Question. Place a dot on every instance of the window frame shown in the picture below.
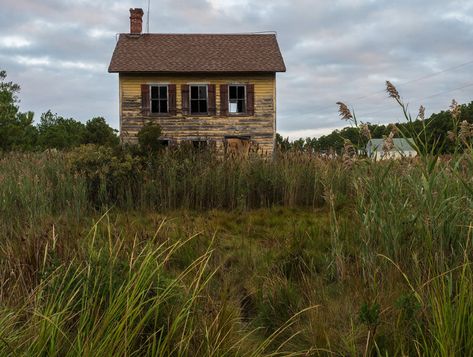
(245, 98)
(158, 85)
(206, 85)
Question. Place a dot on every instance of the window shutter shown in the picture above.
(185, 99)
(172, 100)
(212, 101)
(145, 101)
(224, 100)
(250, 99)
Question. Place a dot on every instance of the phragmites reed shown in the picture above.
(349, 153)
(344, 112)
(394, 129)
(392, 91)
(388, 143)
(451, 135)
(421, 114)
(466, 131)
(365, 131)
(455, 109)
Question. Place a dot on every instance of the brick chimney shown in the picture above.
(136, 21)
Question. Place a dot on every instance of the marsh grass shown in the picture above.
(184, 253)
(73, 287)
(122, 296)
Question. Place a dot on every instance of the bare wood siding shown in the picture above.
(261, 127)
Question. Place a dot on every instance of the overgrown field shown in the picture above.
(107, 253)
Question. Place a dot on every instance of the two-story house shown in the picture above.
(201, 88)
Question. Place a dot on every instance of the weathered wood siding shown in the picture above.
(261, 127)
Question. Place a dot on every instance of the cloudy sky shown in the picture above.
(59, 51)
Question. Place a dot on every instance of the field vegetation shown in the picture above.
(121, 251)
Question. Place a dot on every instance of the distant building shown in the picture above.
(401, 148)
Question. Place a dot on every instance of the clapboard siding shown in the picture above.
(261, 127)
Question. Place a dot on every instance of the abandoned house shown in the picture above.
(200, 88)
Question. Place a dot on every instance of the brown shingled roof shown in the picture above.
(197, 53)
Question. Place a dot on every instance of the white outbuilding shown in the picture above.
(401, 148)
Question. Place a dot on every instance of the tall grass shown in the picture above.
(34, 186)
(131, 292)
(122, 297)
(298, 254)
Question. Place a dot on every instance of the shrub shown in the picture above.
(149, 137)
(108, 173)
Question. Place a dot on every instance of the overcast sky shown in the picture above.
(59, 51)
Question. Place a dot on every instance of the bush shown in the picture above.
(149, 137)
(108, 173)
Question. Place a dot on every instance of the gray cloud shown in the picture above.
(334, 50)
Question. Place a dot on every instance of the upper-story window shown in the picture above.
(159, 99)
(199, 99)
(237, 99)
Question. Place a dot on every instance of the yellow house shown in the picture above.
(200, 88)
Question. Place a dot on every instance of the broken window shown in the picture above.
(199, 144)
(199, 98)
(237, 99)
(164, 143)
(159, 99)
(237, 145)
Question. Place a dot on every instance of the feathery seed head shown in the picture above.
(392, 91)
(365, 131)
(466, 131)
(349, 153)
(421, 114)
(344, 112)
(394, 130)
(451, 135)
(455, 109)
(388, 143)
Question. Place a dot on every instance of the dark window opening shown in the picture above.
(164, 143)
(237, 99)
(199, 144)
(199, 97)
(159, 99)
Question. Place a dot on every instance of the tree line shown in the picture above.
(438, 125)
(18, 131)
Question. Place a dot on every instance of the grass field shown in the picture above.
(105, 253)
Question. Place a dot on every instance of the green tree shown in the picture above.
(16, 128)
(98, 132)
(283, 144)
(57, 132)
